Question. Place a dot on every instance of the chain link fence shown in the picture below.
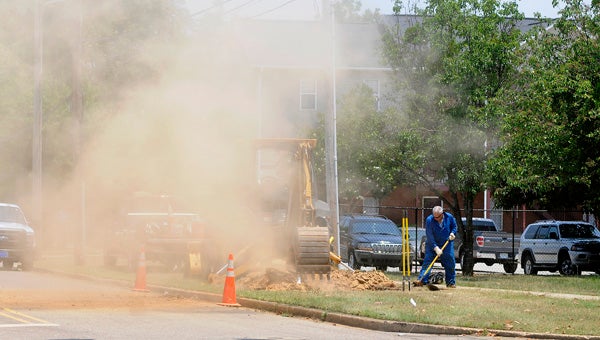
(551, 246)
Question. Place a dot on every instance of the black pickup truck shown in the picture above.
(490, 245)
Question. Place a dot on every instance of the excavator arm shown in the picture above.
(309, 242)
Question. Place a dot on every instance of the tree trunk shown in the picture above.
(467, 235)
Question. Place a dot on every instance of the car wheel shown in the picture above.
(510, 268)
(27, 265)
(528, 267)
(7, 265)
(566, 267)
(352, 261)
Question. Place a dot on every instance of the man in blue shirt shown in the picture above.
(439, 227)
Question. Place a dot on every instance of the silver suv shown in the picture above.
(567, 246)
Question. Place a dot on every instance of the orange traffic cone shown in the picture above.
(140, 279)
(229, 290)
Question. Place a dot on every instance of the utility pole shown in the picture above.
(36, 161)
(331, 134)
(77, 112)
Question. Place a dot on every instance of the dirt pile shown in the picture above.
(274, 279)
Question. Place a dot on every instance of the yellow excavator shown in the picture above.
(286, 177)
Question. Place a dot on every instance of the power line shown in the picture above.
(273, 9)
(210, 8)
(240, 6)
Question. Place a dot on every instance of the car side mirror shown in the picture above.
(553, 235)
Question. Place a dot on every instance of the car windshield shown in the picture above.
(11, 214)
(579, 230)
(375, 227)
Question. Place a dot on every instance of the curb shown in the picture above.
(338, 318)
(369, 323)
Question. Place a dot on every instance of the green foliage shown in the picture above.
(349, 11)
(551, 117)
(374, 148)
(449, 66)
(117, 40)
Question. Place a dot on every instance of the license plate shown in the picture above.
(503, 255)
(3, 254)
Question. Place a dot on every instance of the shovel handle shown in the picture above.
(434, 259)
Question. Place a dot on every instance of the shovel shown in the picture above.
(430, 285)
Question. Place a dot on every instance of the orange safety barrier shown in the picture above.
(229, 290)
(140, 279)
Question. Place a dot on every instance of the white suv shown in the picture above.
(567, 246)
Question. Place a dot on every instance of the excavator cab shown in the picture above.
(285, 179)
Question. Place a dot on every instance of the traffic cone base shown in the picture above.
(140, 279)
(229, 289)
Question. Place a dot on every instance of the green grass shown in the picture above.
(582, 285)
(486, 309)
(485, 301)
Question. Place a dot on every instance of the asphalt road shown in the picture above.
(36, 305)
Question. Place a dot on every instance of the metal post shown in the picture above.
(36, 162)
(405, 252)
(331, 139)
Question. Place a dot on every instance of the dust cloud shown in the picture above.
(188, 133)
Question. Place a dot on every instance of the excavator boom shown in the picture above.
(308, 241)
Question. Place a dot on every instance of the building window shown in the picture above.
(308, 95)
(374, 86)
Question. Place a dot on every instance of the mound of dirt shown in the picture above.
(358, 280)
(274, 279)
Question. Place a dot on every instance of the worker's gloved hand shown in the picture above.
(451, 237)
(438, 251)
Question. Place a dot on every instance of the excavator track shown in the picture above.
(311, 250)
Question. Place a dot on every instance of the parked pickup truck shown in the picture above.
(179, 240)
(490, 245)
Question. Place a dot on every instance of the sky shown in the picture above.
(310, 9)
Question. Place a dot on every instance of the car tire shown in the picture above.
(566, 266)
(352, 261)
(7, 265)
(26, 264)
(528, 265)
(510, 268)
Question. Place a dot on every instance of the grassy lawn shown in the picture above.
(485, 301)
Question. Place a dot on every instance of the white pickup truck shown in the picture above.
(490, 245)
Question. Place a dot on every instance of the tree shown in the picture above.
(349, 10)
(449, 65)
(551, 126)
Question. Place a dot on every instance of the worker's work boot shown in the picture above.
(417, 284)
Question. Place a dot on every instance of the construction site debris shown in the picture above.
(278, 280)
